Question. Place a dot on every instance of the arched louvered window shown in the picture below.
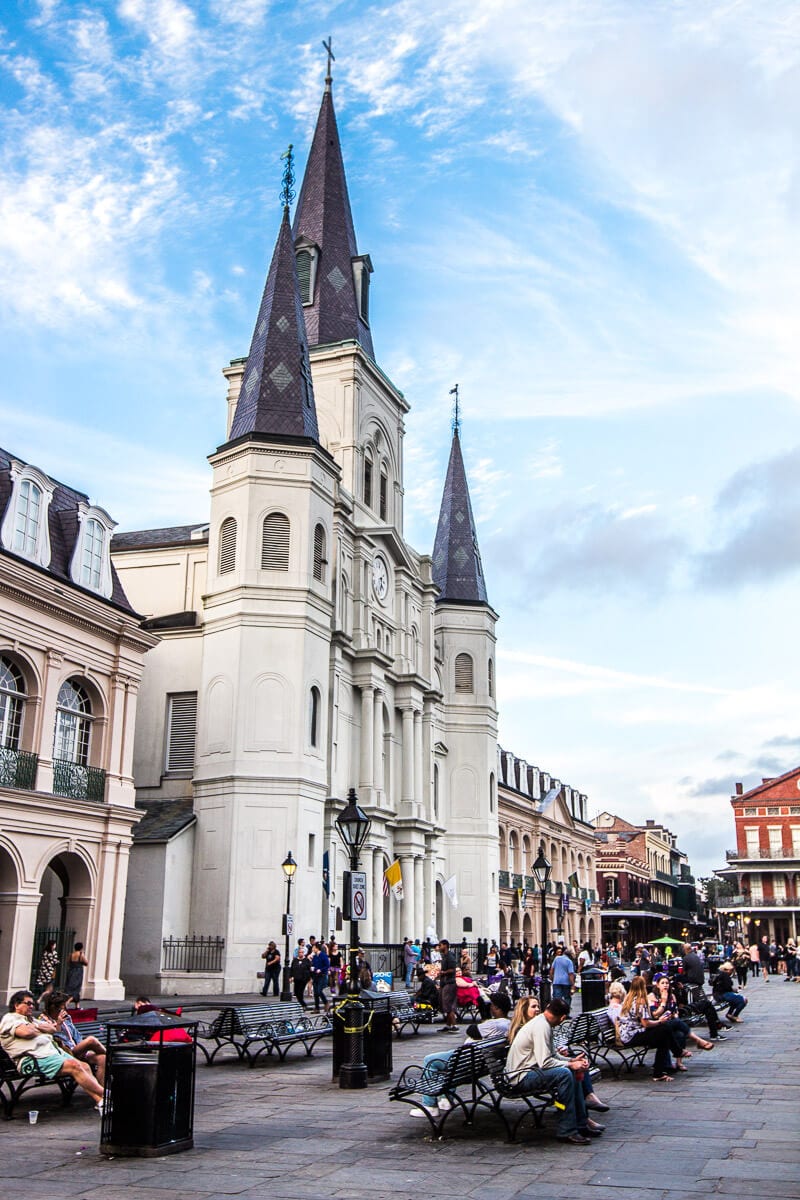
(464, 673)
(368, 480)
(181, 731)
(275, 543)
(227, 546)
(12, 699)
(491, 679)
(320, 558)
(363, 296)
(383, 500)
(73, 723)
(314, 717)
(303, 259)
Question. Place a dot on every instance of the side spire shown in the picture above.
(457, 567)
(277, 396)
(337, 306)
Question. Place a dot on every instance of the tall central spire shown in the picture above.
(457, 567)
(337, 306)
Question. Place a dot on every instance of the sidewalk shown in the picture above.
(728, 1127)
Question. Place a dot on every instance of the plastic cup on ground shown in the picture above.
(33, 1115)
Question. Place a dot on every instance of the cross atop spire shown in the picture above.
(287, 188)
(331, 58)
(456, 410)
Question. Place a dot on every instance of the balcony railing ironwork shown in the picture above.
(666, 877)
(192, 953)
(77, 782)
(730, 902)
(758, 855)
(18, 769)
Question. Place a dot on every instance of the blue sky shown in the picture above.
(586, 215)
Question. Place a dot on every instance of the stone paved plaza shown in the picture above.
(728, 1127)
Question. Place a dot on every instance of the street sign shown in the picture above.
(288, 924)
(358, 895)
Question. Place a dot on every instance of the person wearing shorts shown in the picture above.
(29, 1042)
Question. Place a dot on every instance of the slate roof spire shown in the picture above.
(457, 567)
(323, 221)
(277, 396)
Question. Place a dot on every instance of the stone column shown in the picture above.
(429, 892)
(408, 755)
(407, 906)
(18, 912)
(419, 892)
(367, 724)
(377, 896)
(377, 745)
(418, 757)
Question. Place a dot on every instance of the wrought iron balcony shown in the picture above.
(18, 769)
(504, 879)
(759, 854)
(666, 877)
(735, 902)
(77, 782)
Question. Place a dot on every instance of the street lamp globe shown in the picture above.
(289, 866)
(353, 825)
(542, 869)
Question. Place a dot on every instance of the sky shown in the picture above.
(584, 214)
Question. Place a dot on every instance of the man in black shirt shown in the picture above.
(448, 994)
(694, 976)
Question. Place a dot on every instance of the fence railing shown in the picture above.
(64, 940)
(192, 953)
(77, 782)
(18, 769)
(760, 853)
(761, 902)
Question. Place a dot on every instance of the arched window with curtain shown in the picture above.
(275, 542)
(314, 716)
(320, 554)
(464, 673)
(227, 546)
(12, 703)
(28, 518)
(73, 723)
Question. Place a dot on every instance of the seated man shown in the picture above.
(533, 1065)
(87, 1049)
(30, 1044)
(434, 1064)
(725, 992)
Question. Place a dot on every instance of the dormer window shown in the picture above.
(362, 269)
(306, 258)
(25, 528)
(91, 561)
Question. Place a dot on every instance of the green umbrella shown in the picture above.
(665, 941)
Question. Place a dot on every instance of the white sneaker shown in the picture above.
(444, 1105)
(99, 1108)
(418, 1112)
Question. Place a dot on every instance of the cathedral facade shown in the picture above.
(305, 648)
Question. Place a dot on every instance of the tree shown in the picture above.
(717, 891)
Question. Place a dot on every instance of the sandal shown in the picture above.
(707, 1046)
(680, 1067)
(662, 1079)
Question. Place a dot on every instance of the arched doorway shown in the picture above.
(9, 898)
(438, 915)
(64, 910)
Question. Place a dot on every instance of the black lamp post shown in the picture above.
(542, 869)
(289, 867)
(354, 826)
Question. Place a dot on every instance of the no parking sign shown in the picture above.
(358, 895)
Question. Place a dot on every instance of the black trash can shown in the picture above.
(593, 989)
(377, 1022)
(148, 1106)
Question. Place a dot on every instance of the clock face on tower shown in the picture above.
(380, 577)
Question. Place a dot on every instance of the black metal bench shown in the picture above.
(598, 1034)
(253, 1029)
(12, 1084)
(405, 1011)
(463, 1076)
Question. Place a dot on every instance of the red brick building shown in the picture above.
(765, 866)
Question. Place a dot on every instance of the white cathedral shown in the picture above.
(306, 648)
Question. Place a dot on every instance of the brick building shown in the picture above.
(765, 866)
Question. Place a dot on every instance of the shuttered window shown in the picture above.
(368, 482)
(275, 543)
(181, 731)
(491, 680)
(463, 673)
(227, 546)
(304, 275)
(314, 716)
(363, 296)
(319, 553)
(382, 504)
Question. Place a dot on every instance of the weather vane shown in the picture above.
(456, 410)
(287, 189)
(331, 59)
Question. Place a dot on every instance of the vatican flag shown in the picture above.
(450, 890)
(394, 878)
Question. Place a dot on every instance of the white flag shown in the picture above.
(450, 891)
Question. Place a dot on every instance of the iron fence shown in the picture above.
(18, 768)
(64, 939)
(192, 953)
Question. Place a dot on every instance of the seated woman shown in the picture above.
(664, 1004)
(427, 994)
(637, 1027)
(616, 994)
(66, 1035)
(468, 990)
